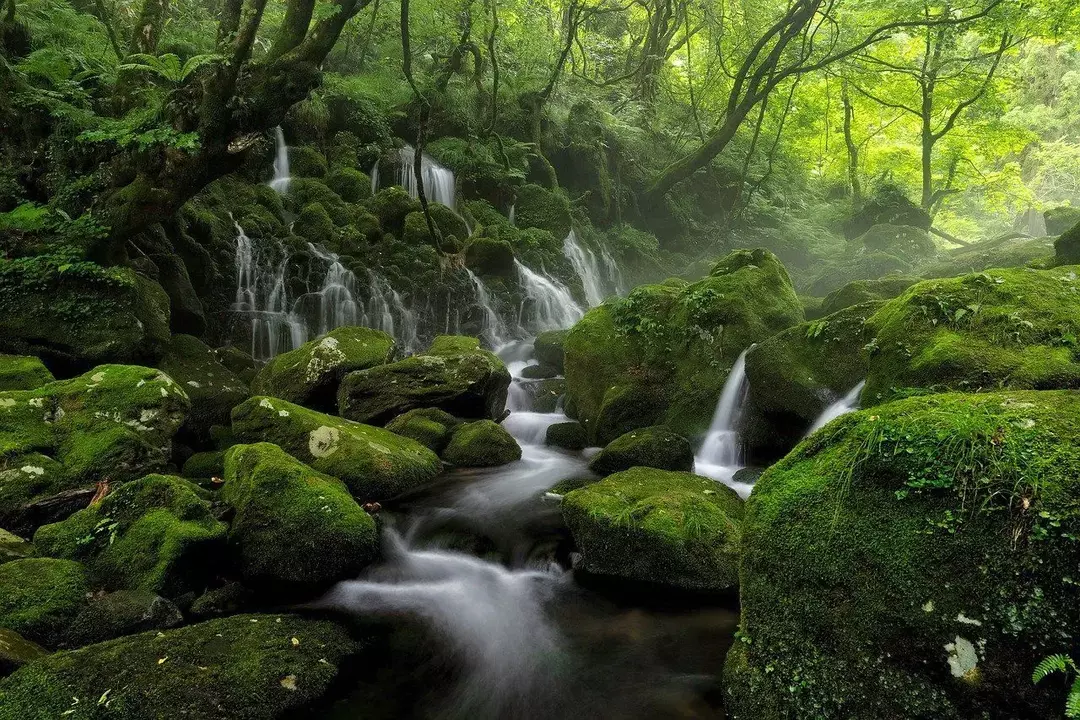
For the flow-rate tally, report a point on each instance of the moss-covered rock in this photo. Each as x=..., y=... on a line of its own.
x=903, y=241
x=1067, y=247
x=39, y=597
x=838, y=272
x=310, y=375
x=454, y=374
x=351, y=184
x=124, y=612
x=548, y=347
x=654, y=447
x=249, y=667
x=16, y=651
x=314, y=224
x=374, y=463
x=1009, y=251
x=238, y=361
x=657, y=526
x=203, y=465
x=431, y=427
x=489, y=256
x=1011, y=327
x=913, y=560
x=115, y=423
x=306, y=162
x=1061, y=219
x=212, y=388
x=546, y=395
x=538, y=207
x=539, y=372
x=77, y=315
x=156, y=534
x=392, y=205
x=13, y=547
x=23, y=372
x=567, y=435
x=293, y=526
x=661, y=355
x=483, y=443
x=862, y=291
x=228, y=599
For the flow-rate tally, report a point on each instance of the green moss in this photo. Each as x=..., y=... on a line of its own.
x=415, y=231
x=1001, y=328
x=1067, y=246
x=351, y=184
x=212, y=388
x=39, y=597
x=661, y=355
x=310, y=375
x=1061, y=219
x=861, y=291
x=454, y=374
x=293, y=525
x=657, y=526
x=430, y=427
x=156, y=534
x=538, y=207
x=22, y=372
x=567, y=435
x=836, y=273
x=903, y=241
x=483, y=443
x=548, y=347
x=654, y=447
x=539, y=372
x=13, y=547
x=1004, y=252
x=491, y=257
x=125, y=612
x=314, y=224
x=248, y=667
x=391, y=205
x=306, y=162
x=203, y=465
x=894, y=533
x=374, y=463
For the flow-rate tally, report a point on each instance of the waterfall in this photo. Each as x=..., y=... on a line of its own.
x=846, y=404
x=280, y=183
x=548, y=303
x=720, y=455
x=439, y=183
x=512, y=214
x=584, y=262
x=262, y=295
x=614, y=274
x=375, y=178
x=493, y=330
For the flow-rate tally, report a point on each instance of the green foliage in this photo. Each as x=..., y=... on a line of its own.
x=168, y=66
x=1065, y=665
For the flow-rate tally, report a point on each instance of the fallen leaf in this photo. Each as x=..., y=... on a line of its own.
x=289, y=683
x=295, y=642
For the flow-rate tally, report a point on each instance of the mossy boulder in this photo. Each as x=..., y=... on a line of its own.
x=351, y=184
x=1004, y=328
x=416, y=232
x=863, y=265
x=314, y=225
x=115, y=423
x=203, y=465
x=490, y=257
x=13, y=547
x=293, y=526
x=799, y=372
x=483, y=443
x=306, y=162
x=546, y=395
x=862, y=291
x=539, y=372
x=23, y=372
x=374, y=463
x=156, y=534
x=449, y=222
x=431, y=427
x=1061, y=218
x=658, y=526
x=124, y=612
x=661, y=355
x=16, y=651
x=1008, y=251
x=77, y=315
x=548, y=347
x=455, y=374
x=913, y=560
x=212, y=388
x=310, y=375
x=249, y=667
x=653, y=447
x=1067, y=246
x=392, y=205
x=904, y=241
x=567, y=435
x=239, y=362
x=39, y=598
x=538, y=207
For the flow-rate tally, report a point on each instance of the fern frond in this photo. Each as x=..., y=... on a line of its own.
x=1072, y=703
x=1050, y=665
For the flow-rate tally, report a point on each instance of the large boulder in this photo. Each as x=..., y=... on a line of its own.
x=16, y=651
x=661, y=355
x=1011, y=327
x=454, y=374
x=1067, y=246
x=654, y=447
x=374, y=463
x=124, y=612
x=431, y=427
x=293, y=526
x=40, y=597
x=483, y=443
x=904, y=241
x=212, y=388
x=115, y=423
x=1007, y=251
x=862, y=291
x=310, y=375
x=23, y=372
x=255, y=667
x=548, y=347
x=156, y=534
x=77, y=315
x=913, y=560
x=657, y=526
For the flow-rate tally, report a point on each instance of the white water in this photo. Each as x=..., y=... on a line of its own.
x=548, y=303
x=720, y=456
x=614, y=274
x=846, y=404
x=280, y=183
x=512, y=215
x=261, y=295
x=494, y=329
x=587, y=268
x=375, y=178
x=439, y=184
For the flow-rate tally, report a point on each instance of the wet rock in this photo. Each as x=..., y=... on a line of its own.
x=212, y=388
x=654, y=447
x=430, y=427
x=483, y=443
x=548, y=347
x=862, y=291
x=228, y=599
x=567, y=435
x=16, y=651
x=125, y=612
x=13, y=547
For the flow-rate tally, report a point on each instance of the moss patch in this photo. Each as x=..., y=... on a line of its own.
x=654, y=447
x=483, y=443
x=39, y=597
x=23, y=372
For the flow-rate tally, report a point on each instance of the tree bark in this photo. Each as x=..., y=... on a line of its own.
x=147, y=30
x=852, y=147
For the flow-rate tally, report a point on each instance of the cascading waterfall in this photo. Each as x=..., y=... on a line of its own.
x=846, y=404
x=280, y=183
x=493, y=329
x=614, y=274
x=262, y=295
x=512, y=214
x=720, y=456
x=587, y=268
x=439, y=184
x=548, y=303
x=375, y=178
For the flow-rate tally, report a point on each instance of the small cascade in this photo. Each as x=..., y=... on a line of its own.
x=375, y=178
x=512, y=214
x=335, y=304
x=280, y=183
x=720, y=456
x=614, y=274
x=548, y=303
x=587, y=268
x=439, y=183
x=846, y=404
x=494, y=329
x=262, y=295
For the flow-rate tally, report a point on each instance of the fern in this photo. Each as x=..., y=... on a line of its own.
x=1064, y=664
x=168, y=66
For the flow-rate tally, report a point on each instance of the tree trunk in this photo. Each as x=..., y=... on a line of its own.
x=852, y=147
x=147, y=30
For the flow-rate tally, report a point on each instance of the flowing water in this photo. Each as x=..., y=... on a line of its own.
x=846, y=404
x=548, y=304
x=439, y=183
x=493, y=331
x=587, y=268
x=280, y=183
x=721, y=454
